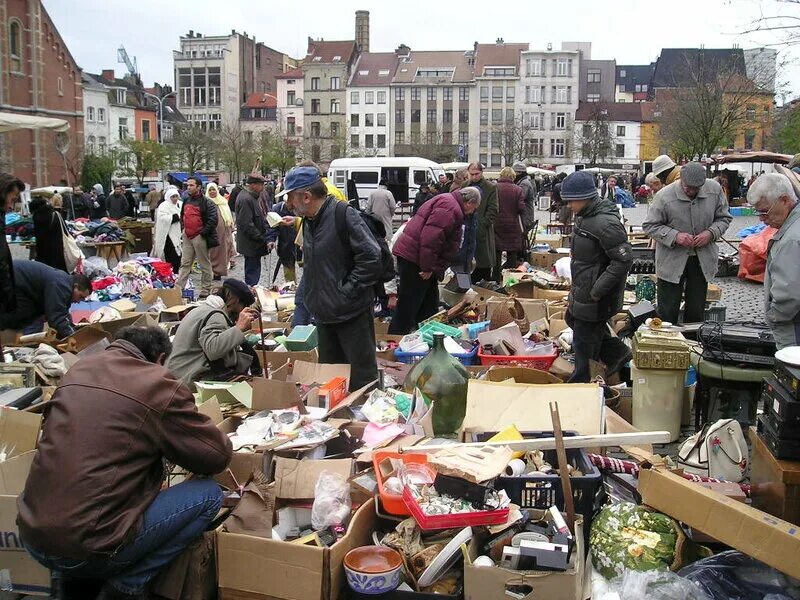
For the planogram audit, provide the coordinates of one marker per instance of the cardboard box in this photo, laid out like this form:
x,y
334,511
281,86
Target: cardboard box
x,y
296,479
747,529
557,324
170,296
521,375
276,360
545,260
534,309
261,568
714,293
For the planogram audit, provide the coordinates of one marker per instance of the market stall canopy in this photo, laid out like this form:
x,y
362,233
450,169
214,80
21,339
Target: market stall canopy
x,y
13,121
182,176
51,190
454,166
538,171
753,157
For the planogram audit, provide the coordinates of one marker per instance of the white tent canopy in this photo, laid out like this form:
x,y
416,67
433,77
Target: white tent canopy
x,y
13,121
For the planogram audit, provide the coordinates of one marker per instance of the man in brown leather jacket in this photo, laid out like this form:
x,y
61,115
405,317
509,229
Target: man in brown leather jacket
x,y
93,504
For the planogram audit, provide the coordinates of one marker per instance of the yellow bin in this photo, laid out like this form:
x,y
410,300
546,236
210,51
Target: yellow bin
x,y
658,400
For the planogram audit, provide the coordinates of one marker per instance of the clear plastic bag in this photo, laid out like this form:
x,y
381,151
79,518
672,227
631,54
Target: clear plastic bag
x,y
735,576
331,501
646,585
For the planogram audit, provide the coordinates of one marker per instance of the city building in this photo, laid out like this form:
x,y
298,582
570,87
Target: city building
x,y
124,96
39,77
608,134
496,122
291,105
326,69
97,122
172,120
650,146
596,76
633,82
369,116
548,94
259,114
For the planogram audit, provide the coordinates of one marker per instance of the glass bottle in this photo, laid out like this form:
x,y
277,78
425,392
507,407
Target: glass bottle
x,y
442,380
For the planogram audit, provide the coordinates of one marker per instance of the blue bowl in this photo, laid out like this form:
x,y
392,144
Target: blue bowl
x,y
373,569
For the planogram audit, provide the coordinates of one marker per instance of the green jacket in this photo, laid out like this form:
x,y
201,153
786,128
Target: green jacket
x,y
486,216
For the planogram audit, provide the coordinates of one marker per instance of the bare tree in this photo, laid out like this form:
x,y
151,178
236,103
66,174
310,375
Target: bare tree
x,y
513,134
433,146
236,149
784,24
595,139
191,148
142,157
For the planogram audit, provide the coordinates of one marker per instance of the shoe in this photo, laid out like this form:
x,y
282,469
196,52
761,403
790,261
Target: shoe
x,y
110,593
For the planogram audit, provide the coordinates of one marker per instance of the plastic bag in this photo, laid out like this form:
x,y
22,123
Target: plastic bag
x,y
331,501
735,576
646,585
753,255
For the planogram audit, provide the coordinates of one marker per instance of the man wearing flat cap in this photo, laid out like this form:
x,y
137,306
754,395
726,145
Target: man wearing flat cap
x,y
252,240
686,218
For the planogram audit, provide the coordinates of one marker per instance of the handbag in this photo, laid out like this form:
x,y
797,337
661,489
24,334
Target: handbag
x,y
72,254
511,311
718,450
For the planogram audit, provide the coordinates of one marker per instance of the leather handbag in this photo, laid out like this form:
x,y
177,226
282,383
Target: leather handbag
x,y
718,450
511,311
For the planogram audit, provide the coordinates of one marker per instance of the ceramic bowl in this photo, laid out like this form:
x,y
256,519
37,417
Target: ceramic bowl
x,y
373,569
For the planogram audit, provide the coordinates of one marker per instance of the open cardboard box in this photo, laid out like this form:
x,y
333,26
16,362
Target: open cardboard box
x,y
19,434
534,309
276,360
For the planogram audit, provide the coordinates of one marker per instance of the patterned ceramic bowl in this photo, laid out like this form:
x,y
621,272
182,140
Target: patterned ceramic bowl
x,y
373,569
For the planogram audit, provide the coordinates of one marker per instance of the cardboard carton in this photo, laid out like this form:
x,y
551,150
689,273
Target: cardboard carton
x,y
534,309
170,296
557,324
296,479
276,360
545,260
747,529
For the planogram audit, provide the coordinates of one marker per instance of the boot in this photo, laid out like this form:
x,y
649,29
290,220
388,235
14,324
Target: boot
x,y
111,593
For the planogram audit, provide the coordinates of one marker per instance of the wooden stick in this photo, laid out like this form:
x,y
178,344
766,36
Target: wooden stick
x,y
563,469
578,441
264,365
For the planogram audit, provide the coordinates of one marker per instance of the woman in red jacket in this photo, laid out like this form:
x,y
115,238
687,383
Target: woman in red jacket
x,y
508,231
430,240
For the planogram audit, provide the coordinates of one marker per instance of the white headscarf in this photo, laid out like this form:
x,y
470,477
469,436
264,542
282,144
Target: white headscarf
x,y
164,223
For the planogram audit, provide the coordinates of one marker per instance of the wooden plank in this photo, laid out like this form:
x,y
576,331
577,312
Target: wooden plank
x,y
563,471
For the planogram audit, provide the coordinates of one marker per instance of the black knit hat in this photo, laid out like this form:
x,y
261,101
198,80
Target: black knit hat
x,y
241,290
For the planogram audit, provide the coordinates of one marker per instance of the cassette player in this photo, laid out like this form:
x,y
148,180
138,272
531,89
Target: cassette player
x,y
784,430
778,400
789,377
781,449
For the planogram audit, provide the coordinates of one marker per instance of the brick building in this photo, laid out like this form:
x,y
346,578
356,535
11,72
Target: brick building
x,y
38,77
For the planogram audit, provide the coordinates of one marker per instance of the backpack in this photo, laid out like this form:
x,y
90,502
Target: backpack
x,y
718,450
378,232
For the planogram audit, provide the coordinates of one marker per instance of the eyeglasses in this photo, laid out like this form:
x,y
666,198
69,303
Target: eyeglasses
x,y
765,213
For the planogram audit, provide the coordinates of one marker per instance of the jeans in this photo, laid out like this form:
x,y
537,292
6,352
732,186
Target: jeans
x,y
176,517
417,298
252,269
353,343
587,340
191,249
301,315
696,286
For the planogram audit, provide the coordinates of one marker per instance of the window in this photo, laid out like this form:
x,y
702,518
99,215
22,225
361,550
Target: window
x,y
399,137
447,138
102,144
60,86
214,86
354,118
431,115
334,107
91,144
315,153
622,73
497,93
484,138
315,129
563,67
123,128
122,96
495,139
483,159
369,97
593,97
381,140
497,116
354,140
463,137
751,113
621,130
619,150
749,139
291,129
334,129
146,130
335,83
399,115
510,116
354,97
334,151
463,115
90,113
447,115
315,84
640,87
369,120
381,97
381,119
593,76
535,120
432,93
561,94
447,93
560,121
510,90
496,160
484,92
499,72
534,95
290,98
534,147
369,141
315,106
15,45
101,115
400,93
416,116
463,93
587,130
416,94
435,72
484,116
534,67
557,148
185,86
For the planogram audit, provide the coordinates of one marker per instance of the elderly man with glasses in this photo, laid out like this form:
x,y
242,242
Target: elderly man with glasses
x,y
776,205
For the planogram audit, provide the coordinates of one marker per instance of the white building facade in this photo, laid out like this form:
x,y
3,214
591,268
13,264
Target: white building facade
x,y
96,122
290,104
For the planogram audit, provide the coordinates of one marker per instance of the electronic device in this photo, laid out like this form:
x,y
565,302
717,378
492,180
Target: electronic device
x,y
737,343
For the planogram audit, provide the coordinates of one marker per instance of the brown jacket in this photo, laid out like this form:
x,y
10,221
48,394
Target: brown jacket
x,y
100,462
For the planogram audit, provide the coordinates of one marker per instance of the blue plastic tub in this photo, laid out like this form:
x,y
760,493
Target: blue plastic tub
x,y
467,359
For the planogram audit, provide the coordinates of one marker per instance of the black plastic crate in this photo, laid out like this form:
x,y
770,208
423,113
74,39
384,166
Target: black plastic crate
x,y
542,491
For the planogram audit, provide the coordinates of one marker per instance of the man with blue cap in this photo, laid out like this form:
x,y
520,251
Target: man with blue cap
x,y
601,259
339,274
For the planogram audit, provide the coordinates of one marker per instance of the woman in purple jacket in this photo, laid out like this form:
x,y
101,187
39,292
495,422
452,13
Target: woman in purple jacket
x,y
430,240
508,230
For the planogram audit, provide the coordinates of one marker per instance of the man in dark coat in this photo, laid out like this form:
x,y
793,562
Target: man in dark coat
x,y
10,189
117,203
199,219
601,259
486,216
423,195
252,237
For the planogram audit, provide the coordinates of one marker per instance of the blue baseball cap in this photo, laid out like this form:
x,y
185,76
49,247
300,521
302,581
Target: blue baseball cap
x,y
299,178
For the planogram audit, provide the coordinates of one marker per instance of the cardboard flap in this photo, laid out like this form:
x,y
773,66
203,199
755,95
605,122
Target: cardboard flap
x,y
211,409
296,479
308,372
270,394
14,473
170,296
19,431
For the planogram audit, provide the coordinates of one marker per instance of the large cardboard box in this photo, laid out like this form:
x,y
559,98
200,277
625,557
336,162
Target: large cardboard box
x,y
545,260
19,433
275,360
266,569
747,529
534,309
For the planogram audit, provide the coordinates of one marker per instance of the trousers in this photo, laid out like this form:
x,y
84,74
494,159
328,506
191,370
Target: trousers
x,y
353,343
252,270
587,341
193,249
417,298
301,316
693,283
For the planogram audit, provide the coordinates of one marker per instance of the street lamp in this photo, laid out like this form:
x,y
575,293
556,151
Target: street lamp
x,y
160,101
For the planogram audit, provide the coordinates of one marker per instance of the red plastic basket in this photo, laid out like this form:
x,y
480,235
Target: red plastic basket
x,y
469,519
543,362
394,504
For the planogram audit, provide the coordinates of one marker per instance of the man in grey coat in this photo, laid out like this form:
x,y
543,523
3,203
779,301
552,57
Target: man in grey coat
x,y
486,215
686,219
776,205
523,180
381,205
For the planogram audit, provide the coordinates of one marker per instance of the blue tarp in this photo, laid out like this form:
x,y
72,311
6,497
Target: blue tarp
x,y
752,230
624,198
182,176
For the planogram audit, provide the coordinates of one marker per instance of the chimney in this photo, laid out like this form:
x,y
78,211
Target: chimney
x,y
402,50
362,30
500,41
191,33
108,74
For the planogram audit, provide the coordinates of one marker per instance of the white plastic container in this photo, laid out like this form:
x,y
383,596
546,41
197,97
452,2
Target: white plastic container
x,y
658,400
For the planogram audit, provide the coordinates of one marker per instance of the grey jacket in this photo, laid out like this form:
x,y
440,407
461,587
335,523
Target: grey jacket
x,y
673,212
205,335
381,204
251,225
782,301
528,188
338,280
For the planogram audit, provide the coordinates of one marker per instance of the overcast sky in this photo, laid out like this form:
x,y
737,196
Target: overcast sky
x,y
630,31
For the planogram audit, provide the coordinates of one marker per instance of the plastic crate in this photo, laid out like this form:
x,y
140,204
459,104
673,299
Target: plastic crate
x,y
466,519
542,491
392,503
428,329
467,359
716,312
542,362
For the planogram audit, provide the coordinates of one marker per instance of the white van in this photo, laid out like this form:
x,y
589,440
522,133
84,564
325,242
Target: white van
x,y
403,175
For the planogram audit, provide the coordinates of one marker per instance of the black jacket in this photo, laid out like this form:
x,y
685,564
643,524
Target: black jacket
x,y
209,215
420,199
251,225
601,259
117,206
49,234
8,301
338,280
284,237
100,211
